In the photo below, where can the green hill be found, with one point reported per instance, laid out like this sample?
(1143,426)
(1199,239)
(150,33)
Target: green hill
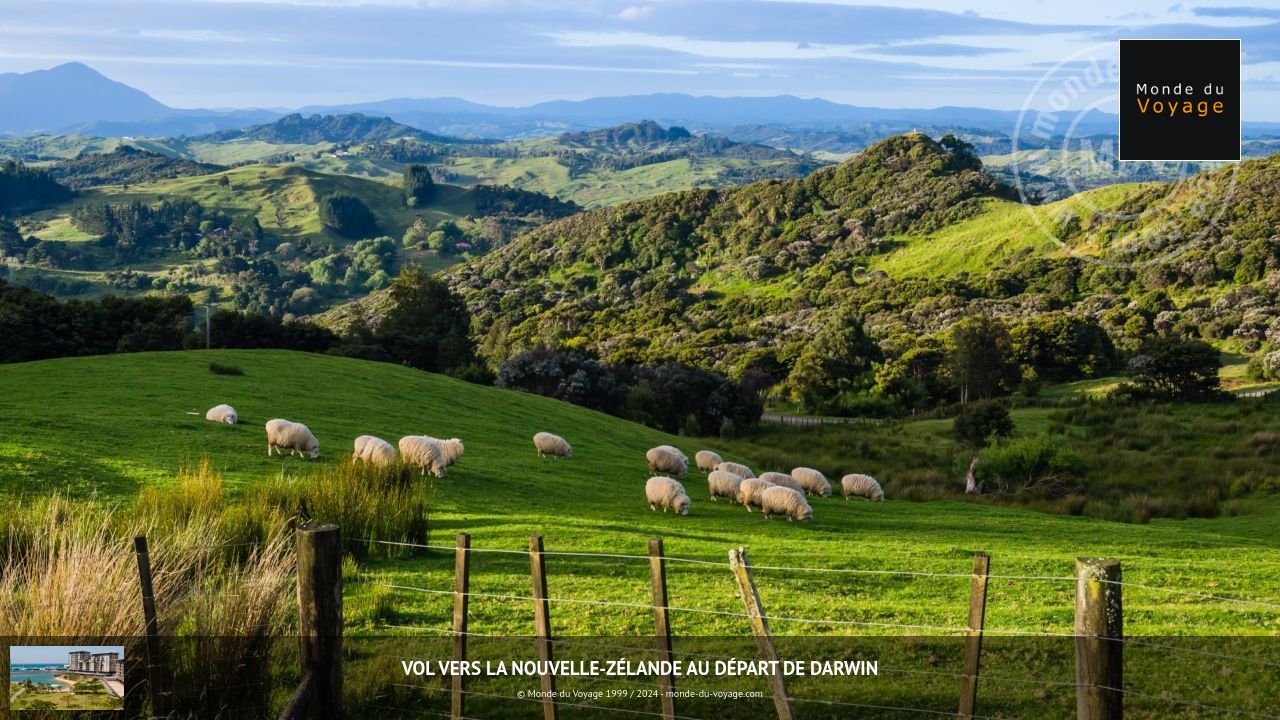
(125,165)
(107,426)
(910,236)
(348,128)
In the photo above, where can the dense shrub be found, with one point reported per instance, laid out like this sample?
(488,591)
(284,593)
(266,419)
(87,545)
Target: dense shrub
(347,215)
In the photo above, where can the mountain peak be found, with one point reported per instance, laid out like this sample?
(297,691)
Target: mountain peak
(69,94)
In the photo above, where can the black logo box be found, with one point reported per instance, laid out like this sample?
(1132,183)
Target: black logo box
(1186,65)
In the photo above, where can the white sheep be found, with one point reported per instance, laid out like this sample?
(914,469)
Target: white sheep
(295,437)
(785,501)
(723,484)
(738,469)
(863,486)
(452,450)
(813,482)
(707,460)
(677,451)
(783,479)
(749,492)
(424,453)
(666,459)
(373,450)
(222,414)
(666,493)
(553,445)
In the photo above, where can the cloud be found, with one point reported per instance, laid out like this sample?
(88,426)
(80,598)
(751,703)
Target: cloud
(635,12)
(937,50)
(1238,11)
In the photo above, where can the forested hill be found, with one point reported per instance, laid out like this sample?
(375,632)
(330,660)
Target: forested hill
(127,165)
(902,242)
(627,267)
(658,143)
(349,128)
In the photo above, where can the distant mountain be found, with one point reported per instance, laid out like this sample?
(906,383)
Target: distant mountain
(67,95)
(628,135)
(348,128)
(189,122)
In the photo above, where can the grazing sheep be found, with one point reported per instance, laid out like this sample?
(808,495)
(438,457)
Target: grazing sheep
(738,469)
(749,492)
(785,501)
(677,451)
(863,486)
(707,460)
(662,459)
(783,479)
(452,450)
(424,453)
(295,437)
(723,484)
(813,482)
(668,494)
(222,414)
(552,445)
(373,450)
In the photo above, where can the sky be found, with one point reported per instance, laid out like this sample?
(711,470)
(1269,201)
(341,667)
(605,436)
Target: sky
(900,53)
(53,654)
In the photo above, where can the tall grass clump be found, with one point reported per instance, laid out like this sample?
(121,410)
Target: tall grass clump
(369,503)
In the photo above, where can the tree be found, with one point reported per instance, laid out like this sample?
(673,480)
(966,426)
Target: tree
(1174,368)
(974,427)
(980,358)
(418,186)
(347,215)
(427,326)
(839,353)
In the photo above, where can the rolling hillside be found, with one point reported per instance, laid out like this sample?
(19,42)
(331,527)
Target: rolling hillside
(144,421)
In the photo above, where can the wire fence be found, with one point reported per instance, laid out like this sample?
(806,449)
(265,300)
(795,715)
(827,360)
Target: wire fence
(827,624)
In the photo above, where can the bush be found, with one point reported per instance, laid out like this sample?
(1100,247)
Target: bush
(1035,463)
(347,215)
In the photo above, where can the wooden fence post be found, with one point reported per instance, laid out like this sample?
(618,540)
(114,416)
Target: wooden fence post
(159,689)
(1099,640)
(973,635)
(662,625)
(542,626)
(461,586)
(760,627)
(320,617)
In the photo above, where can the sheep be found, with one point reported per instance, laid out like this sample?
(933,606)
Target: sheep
(222,414)
(707,460)
(663,459)
(552,445)
(452,450)
(676,451)
(373,450)
(813,482)
(783,479)
(863,486)
(666,493)
(785,501)
(749,491)
(723,484)
(295,437)
(738,469)
(424,453)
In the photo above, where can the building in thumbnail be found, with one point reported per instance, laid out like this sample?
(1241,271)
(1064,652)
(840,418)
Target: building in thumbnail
(103,663)
(79,661)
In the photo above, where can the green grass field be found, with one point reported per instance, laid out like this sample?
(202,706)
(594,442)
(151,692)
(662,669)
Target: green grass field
(104,427)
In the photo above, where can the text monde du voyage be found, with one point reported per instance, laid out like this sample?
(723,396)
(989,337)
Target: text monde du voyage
(1180,99)
(719,668)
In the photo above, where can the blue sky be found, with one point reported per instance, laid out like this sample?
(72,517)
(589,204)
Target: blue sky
(53,654)
(909,53)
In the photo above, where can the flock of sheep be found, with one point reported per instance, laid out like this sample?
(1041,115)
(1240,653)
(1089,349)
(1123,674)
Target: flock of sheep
(775,493)
(426,453)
